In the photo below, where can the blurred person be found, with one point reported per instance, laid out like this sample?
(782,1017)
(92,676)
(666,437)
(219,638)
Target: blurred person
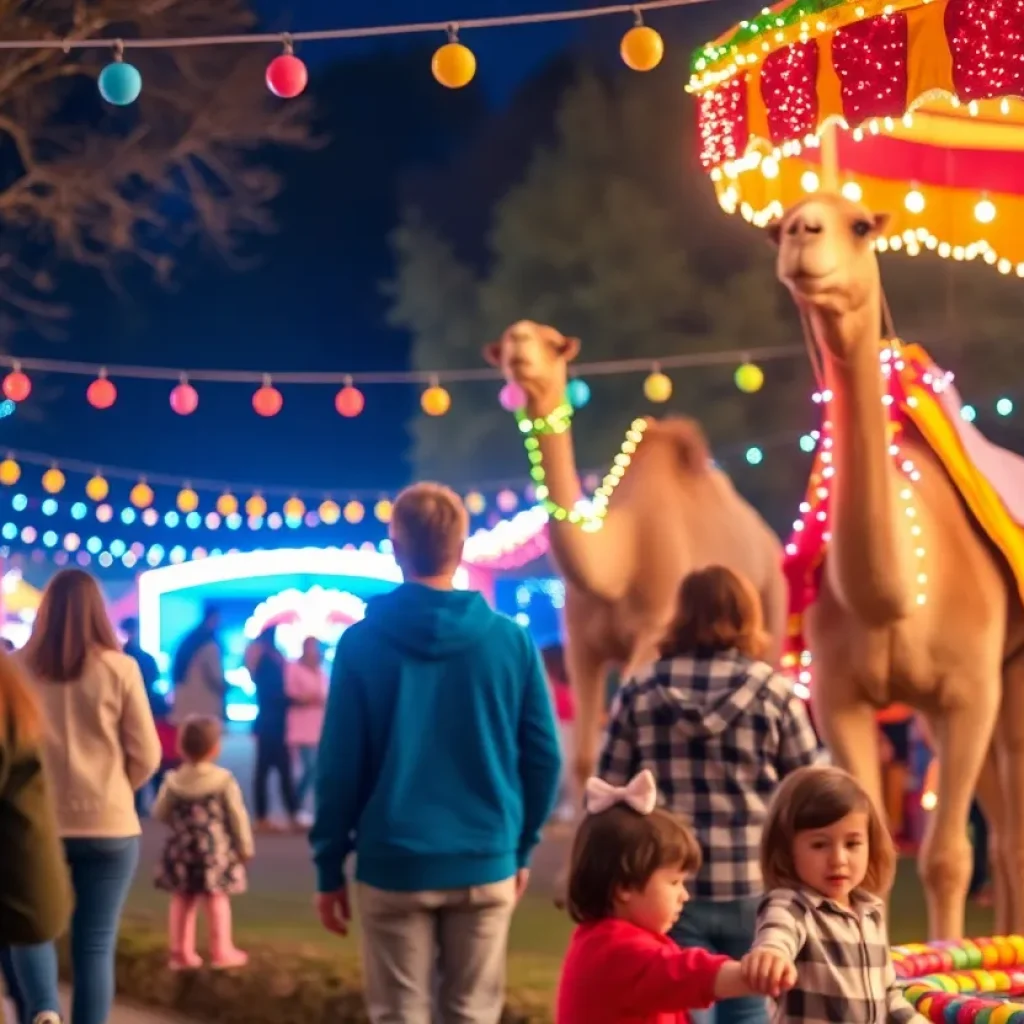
(719,728)
(35,891)
(204,857)
(438,765)
(157,704)
(306,688)
(553,658)
(100,745)
(266,667)
(197,671)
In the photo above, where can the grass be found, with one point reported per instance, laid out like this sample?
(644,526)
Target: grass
(278,912)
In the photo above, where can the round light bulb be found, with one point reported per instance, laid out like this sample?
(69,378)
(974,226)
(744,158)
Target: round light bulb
(770,167)
(852,191)
(985,211)
(809,181)
(914,201)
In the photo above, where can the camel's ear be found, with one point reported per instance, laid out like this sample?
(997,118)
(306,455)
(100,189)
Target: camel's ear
(774,230)
(492,352)
(881,223)
(569,349)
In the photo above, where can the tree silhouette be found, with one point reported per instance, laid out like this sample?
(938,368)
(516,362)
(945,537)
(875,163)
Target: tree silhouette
(85,182)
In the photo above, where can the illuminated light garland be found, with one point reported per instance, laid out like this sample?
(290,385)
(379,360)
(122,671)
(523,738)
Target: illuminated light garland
(964,980)
(589,514)
(917,79)
(808,544)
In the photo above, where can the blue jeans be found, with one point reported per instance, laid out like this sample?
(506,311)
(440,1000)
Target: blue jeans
(11,985)
(307,770)
(101,874)
(725,927)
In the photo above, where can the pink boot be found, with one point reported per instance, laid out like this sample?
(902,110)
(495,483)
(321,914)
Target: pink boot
(223,954)
(182,928)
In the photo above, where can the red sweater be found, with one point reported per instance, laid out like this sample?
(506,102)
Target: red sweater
(617,973)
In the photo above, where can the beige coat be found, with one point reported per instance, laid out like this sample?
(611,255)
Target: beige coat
(100,746)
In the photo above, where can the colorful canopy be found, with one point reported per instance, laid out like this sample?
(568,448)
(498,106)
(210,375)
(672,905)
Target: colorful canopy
(924,97)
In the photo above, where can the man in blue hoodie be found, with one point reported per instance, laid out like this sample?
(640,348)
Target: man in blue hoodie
(438,765)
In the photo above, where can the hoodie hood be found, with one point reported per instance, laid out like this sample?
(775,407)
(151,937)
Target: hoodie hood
(192,781)
(705,696)
(430,623)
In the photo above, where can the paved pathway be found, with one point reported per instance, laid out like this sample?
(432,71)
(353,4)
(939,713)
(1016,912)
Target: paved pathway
(122,1014)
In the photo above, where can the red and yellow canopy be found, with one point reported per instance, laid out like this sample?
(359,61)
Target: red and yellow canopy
(925,98)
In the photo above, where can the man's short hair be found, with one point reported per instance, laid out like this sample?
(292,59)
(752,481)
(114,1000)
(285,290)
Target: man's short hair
(429,525)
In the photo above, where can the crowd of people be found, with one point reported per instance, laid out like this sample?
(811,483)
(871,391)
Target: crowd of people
(437,762)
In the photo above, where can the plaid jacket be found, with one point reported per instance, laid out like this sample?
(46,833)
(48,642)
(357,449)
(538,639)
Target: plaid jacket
(844,970)
(718,733)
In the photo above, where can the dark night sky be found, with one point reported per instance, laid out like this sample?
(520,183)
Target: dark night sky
(313,304)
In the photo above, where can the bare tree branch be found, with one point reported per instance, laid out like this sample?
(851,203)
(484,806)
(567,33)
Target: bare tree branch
(98,186)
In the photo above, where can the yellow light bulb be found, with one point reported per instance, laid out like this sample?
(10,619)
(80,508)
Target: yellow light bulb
(985,211)
(852,191)
(809,181)
(914,201)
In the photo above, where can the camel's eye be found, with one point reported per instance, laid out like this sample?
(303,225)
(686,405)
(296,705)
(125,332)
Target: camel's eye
(862,228)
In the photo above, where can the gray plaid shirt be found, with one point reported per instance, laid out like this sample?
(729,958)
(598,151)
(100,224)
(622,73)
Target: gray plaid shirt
(844,968)
(718,732)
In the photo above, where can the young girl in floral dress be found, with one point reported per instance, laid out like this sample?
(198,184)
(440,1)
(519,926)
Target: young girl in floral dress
(204,857)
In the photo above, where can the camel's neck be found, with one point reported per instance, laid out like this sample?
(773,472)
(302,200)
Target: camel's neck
(867,561)
(583,557)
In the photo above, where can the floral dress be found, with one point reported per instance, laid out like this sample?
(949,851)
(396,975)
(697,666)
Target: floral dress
(201,854)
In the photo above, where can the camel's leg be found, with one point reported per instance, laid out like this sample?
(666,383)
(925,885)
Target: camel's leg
(850,731)
(962,735)
(1009,745)
(993,806)
(588,676)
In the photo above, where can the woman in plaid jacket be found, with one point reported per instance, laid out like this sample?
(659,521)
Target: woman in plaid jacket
(719,728)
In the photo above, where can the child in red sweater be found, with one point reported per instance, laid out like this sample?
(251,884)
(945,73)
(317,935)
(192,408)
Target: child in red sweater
(626,890)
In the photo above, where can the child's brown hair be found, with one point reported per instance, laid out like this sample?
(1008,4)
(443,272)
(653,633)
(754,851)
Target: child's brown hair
(198,737)
(814,797)
(621,849)
(716,610)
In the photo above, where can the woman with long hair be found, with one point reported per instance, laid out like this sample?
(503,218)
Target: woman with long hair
(719,728)
(99,746)
(35,898)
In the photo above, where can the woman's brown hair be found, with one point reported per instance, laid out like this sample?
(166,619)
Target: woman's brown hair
(816,797)
(20,718)
(620,849)
(71,623)
(717,610)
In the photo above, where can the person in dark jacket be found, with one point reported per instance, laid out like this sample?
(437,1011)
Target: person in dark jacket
(266,667)
(35,891)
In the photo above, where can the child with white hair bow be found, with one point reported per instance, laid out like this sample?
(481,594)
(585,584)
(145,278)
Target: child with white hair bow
(627,887)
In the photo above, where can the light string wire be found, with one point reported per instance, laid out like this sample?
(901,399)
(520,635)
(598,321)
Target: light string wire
(323,35)
(84,467)
(602,368)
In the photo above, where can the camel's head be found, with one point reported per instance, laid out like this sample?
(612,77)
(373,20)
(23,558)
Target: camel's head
(827,255)
(535,356)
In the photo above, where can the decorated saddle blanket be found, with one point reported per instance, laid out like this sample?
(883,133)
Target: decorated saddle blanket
(989,478)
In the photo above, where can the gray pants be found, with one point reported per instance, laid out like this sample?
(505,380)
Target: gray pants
(449,943)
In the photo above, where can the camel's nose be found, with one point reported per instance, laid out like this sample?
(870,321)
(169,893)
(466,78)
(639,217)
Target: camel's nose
(805,224)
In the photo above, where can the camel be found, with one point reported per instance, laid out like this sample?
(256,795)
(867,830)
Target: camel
(672,513)
(915,604)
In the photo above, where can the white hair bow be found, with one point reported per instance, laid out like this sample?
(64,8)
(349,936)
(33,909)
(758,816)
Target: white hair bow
(640,793)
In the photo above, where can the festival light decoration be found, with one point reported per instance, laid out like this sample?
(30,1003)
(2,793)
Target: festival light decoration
(749,378)
(187,500)
(227,505)
(641,48)
(101,393)
(294,508)
(97,488)
(909,106)
(329,511)
(10,472)
(435,401)
(120,83)
(349,401)
(578,392)
(811,533)
(511,397)
(287,76)
(184,398)
(267,400)
(141,495)
(382,511)
(16,385)
(256,507)
(658,387)
(354,512)
(453,65)
(53,481)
